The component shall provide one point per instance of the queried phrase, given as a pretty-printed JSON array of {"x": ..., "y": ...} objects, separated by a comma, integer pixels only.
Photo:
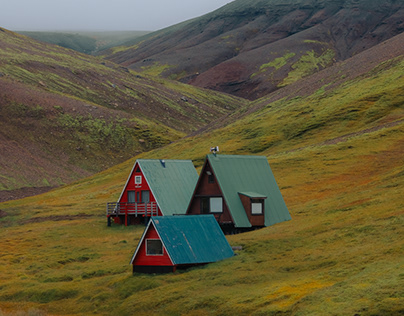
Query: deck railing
[{"x": 137, "y": 209}]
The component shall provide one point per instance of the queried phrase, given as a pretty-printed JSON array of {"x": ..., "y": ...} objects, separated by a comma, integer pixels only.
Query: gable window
[
  {"x": 154, "y": 247},
  {"x": 257, "y": 206},
  {"x": 211, "y": 178},
  {"x": 211, "y": 205},
  {"x": 216, "y": 205},
  {"x": 138, "y": 179}
]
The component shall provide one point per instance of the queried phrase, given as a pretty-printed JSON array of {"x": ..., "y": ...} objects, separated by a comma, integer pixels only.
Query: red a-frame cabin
[{"x": 154, "y": 188}]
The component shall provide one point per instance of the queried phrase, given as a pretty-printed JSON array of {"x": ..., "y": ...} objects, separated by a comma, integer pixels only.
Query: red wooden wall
[
  {"x": 142, "y": 259},
  {"x": 131, "y": 186}
]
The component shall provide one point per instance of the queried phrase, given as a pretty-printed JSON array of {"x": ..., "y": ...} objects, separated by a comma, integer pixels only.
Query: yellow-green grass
[
  {"x": 292, "y": 124},
  {"x": 341, "y": 254}
]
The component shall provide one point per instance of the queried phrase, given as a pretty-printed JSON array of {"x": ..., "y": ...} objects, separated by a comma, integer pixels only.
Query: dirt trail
[{"x": 22, "y": 193}]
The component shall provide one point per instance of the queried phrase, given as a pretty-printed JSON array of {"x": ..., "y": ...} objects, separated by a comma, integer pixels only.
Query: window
[
  {"x": 138, "y": 179},
  {"x": 211, "y": 205},
  {"x": 145, "y": 197},
  {"x": 216, "y": 205},
  {"x": 211, "y": 178},
  {"x": 131, "y": 196},
  {"x": 154, "y": 247},
  {"x": 257, "y": 206}
]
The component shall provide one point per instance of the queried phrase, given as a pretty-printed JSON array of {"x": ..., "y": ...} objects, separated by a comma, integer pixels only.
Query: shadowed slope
[{"x": 252, "y": 48}]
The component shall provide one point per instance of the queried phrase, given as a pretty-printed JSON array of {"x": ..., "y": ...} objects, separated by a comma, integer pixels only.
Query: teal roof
[
  {"x": 171, "y": 181},
  {"x": 190, "y": 239},
  {"x": 248, "y": 175}
]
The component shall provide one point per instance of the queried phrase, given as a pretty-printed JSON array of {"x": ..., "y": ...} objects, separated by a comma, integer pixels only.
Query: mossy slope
[
  {"x": 337, "y": 157},
  {"x": 67, "y": 115}
]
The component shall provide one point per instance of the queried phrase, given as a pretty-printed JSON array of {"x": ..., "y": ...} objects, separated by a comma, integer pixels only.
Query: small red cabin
[
  {"x": 172, "y": 242},
  {"x": 152, "y": 255},
  {"x": 154, "y": 188}
]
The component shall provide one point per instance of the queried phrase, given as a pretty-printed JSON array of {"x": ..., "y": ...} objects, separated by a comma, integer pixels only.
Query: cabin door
[
  {"x": 205, "y": 209},
  {"x": 145, "y": 197}
]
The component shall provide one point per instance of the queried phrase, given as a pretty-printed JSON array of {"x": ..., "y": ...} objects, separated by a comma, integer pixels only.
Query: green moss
[
  {"x": 155, "y": 70},
  {"x": 182, "y": 74},
  {"x": 315, "y": 42},
  {"x": 308, "y": 64},
  {"x": 277, "y": 63}
]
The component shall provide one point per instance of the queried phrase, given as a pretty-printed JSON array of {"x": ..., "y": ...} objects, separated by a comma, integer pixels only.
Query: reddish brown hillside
[
  {"x": 250, "y": 48},
  {"x": 66, "y": 115},
  {"x": 326, "y": 80}
]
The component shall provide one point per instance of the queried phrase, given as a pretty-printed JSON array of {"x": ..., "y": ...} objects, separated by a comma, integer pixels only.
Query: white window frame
[
  {"x": 138, "y": 179},
  {"x": 162, "y": 247},
  {"x": 216, "y": 204},
  {"x": 257, "y": 208}
]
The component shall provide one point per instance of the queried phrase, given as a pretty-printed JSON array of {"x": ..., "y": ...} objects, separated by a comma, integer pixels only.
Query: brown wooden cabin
[{"x": 240, "y": 191}]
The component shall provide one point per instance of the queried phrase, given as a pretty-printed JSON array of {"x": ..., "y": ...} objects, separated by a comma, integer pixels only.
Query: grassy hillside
[
  {"x": 66, "y": 115},
  {"x": 68, "y": 73},
  {"x": 337, "y": 157}
]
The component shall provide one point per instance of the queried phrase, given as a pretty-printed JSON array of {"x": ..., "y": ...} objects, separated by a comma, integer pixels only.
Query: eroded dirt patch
[{"x": 8, "y": 195}]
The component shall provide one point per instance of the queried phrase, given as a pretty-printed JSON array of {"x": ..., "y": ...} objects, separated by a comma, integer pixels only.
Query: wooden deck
[{"x": 132, "y": 209}]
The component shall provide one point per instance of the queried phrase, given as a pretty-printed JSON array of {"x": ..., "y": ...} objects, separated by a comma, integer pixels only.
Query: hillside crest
[{"x": 250, "y": 49}]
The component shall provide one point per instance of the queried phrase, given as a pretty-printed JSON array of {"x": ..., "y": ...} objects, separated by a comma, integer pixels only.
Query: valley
[
  {"x": 67, "y": 115},
  {"x": 332, "y": 130}
]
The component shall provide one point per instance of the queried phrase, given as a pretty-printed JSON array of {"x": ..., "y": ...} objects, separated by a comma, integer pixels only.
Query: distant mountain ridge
[
  {"x": 85, "y": 42},
  {"x": 251, "y": 48}
]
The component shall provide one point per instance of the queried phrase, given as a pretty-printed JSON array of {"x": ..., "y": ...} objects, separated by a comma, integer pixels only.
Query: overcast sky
[{"x": 133, "y": 15}]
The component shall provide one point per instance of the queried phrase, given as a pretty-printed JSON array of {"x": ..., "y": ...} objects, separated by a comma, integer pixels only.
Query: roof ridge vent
[
  {"x": 163, "y": 163},
  {"x": 214, "y": 150}
]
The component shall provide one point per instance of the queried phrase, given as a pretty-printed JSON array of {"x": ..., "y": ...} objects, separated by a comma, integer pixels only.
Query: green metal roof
[
  {"x": 171, "y": 181},
  {"x": 253, "y": 195},
  {"x": 191, "y": 239},
  {"x": 249, "y": 174}
]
